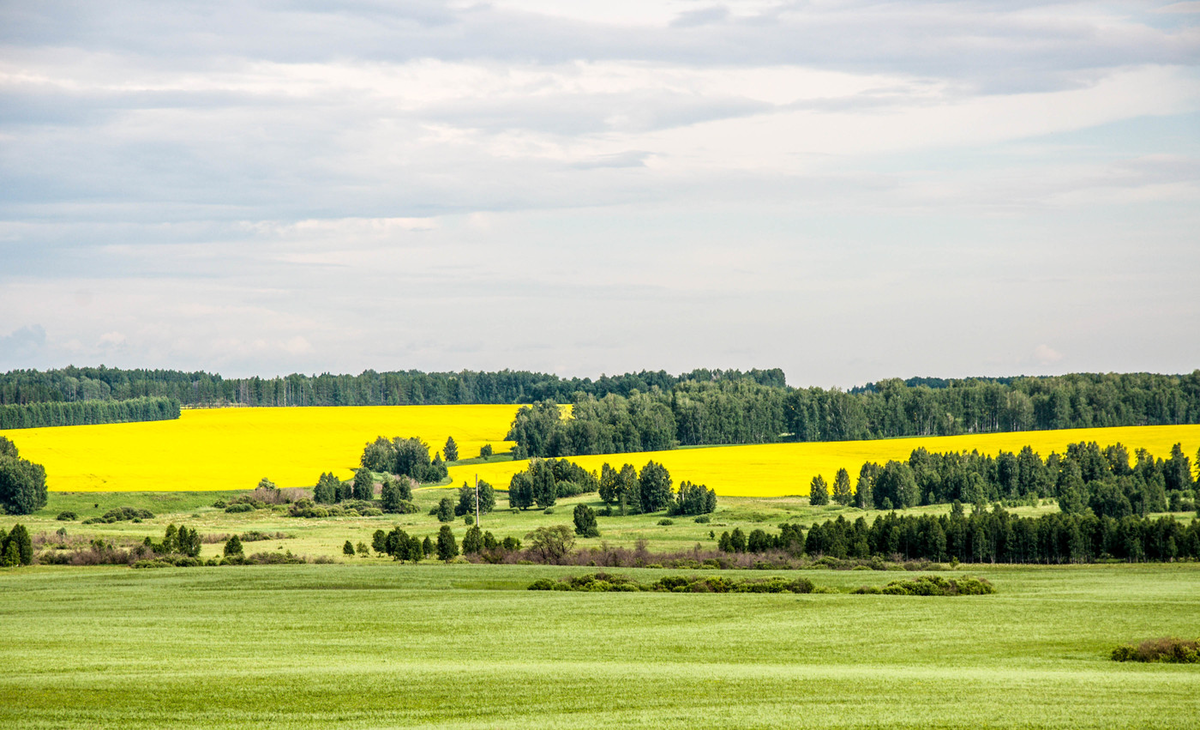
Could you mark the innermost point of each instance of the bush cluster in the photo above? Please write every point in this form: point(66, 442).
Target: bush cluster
point(120, 514)
point(608, 582)
point(932, 585)
point(1168, 650)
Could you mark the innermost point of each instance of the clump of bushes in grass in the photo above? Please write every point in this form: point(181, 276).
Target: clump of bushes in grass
point(251, 536)
point(608, 582)
point(1168, 650)
point(932, 585)
point(120, 514)
point(67, 516)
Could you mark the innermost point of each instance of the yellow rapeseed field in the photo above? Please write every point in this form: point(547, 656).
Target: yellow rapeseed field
point(232, 448)
point(776, 470)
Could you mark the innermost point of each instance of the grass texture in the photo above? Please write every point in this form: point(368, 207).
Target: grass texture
point(457, 646)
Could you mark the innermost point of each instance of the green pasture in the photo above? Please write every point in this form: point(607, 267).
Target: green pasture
point(315, 537)
point(390, 645)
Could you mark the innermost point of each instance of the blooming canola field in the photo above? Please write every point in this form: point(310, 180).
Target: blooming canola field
point(232, 448)
point(777, 470)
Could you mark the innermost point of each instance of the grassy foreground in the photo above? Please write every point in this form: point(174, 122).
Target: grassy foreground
point(368, 646)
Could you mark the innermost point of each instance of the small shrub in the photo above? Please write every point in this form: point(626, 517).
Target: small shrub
point(548, 511)
point(1167, 650)
point(243, 507)
point(702, 519)
point(666, 522)
point(66, 516)
point(220, 504)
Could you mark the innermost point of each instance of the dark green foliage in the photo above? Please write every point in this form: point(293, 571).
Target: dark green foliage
point(1167, 650)
point(654, 481)
point(818, 491)
point(842, 493)
point(59, 413)
point(427, 546)
point(447, 546)
point(405, 457)
point(510, 544)
point(364, 485)
point(607, 582)
point(932, 585)
point(693, 499)
point(585, 521)
point(240, 507)
point(233, 546)
point(22, 484)
point(379, 542)
point(348, 549)
point(485, 451)
point(466, 499)
point(445, 510)
point(326, 491)
point(450, 450)
point(520, 490)
point(16, 547)
point(545, 488)
point(472, 543)
point(8, 448)
point(120, 514)
point(66, 516)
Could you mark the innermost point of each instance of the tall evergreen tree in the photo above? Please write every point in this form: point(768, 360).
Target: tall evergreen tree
point(451, 450)
point(447, 546)
point(818, 491)
point(842, 493)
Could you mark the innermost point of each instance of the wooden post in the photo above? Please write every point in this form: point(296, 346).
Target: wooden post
point(477, 499)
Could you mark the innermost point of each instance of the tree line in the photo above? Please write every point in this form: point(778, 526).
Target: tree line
point(88, 412)
point(369, 388)
point(694, 412)
point(1104, 481)
point(985, 536)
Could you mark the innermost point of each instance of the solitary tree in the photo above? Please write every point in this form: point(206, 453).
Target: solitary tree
point(447, 546)
point(818, 491)
point(841, 488)
point(233, 546)
point(445, 510)
point(379, 542)
point(520, 490)
point(485, 451)
point(585, 521)
point(364, 485)
point(348, 549)
point(451, 450)
point(551, 544)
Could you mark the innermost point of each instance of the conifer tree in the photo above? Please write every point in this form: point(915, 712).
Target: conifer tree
point(447, 546)
point(818, 491)
point(451, 449)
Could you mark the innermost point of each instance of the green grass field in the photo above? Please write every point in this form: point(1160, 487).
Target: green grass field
point(368, 646)
point(326, 536)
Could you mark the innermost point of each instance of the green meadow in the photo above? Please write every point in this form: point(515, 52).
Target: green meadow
point(390, 645)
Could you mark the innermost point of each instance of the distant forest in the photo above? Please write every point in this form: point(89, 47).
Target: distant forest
point(654, 410)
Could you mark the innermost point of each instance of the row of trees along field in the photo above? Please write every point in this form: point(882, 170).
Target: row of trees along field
point(87, 412)
point(985, 536)
point(745, 411)
point(1087, 478)
point(703, 406)
point(22, 482)
point(545, 481)
point(369, 388)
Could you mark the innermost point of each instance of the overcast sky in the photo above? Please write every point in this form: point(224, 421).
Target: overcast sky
point(847, 190)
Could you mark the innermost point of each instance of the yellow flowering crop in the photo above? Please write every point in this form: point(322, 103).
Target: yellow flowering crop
point(776, 470)
point(232, 448)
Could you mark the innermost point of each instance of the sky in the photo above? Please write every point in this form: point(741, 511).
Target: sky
point(849, 191)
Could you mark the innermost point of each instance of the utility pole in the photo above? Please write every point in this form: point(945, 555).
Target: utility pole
point(476, 498)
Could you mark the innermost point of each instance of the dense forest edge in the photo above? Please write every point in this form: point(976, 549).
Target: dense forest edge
point(648, 411)
point(87, 412)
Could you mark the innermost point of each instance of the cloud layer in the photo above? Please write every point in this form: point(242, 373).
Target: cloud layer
point(846, 190)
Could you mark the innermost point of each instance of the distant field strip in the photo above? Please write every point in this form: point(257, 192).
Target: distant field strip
point(232, 448)
point(776, 470)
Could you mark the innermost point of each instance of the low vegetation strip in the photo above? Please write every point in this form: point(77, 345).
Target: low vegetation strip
point(932, 585)
point(925, 585)
point(1166, 650)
